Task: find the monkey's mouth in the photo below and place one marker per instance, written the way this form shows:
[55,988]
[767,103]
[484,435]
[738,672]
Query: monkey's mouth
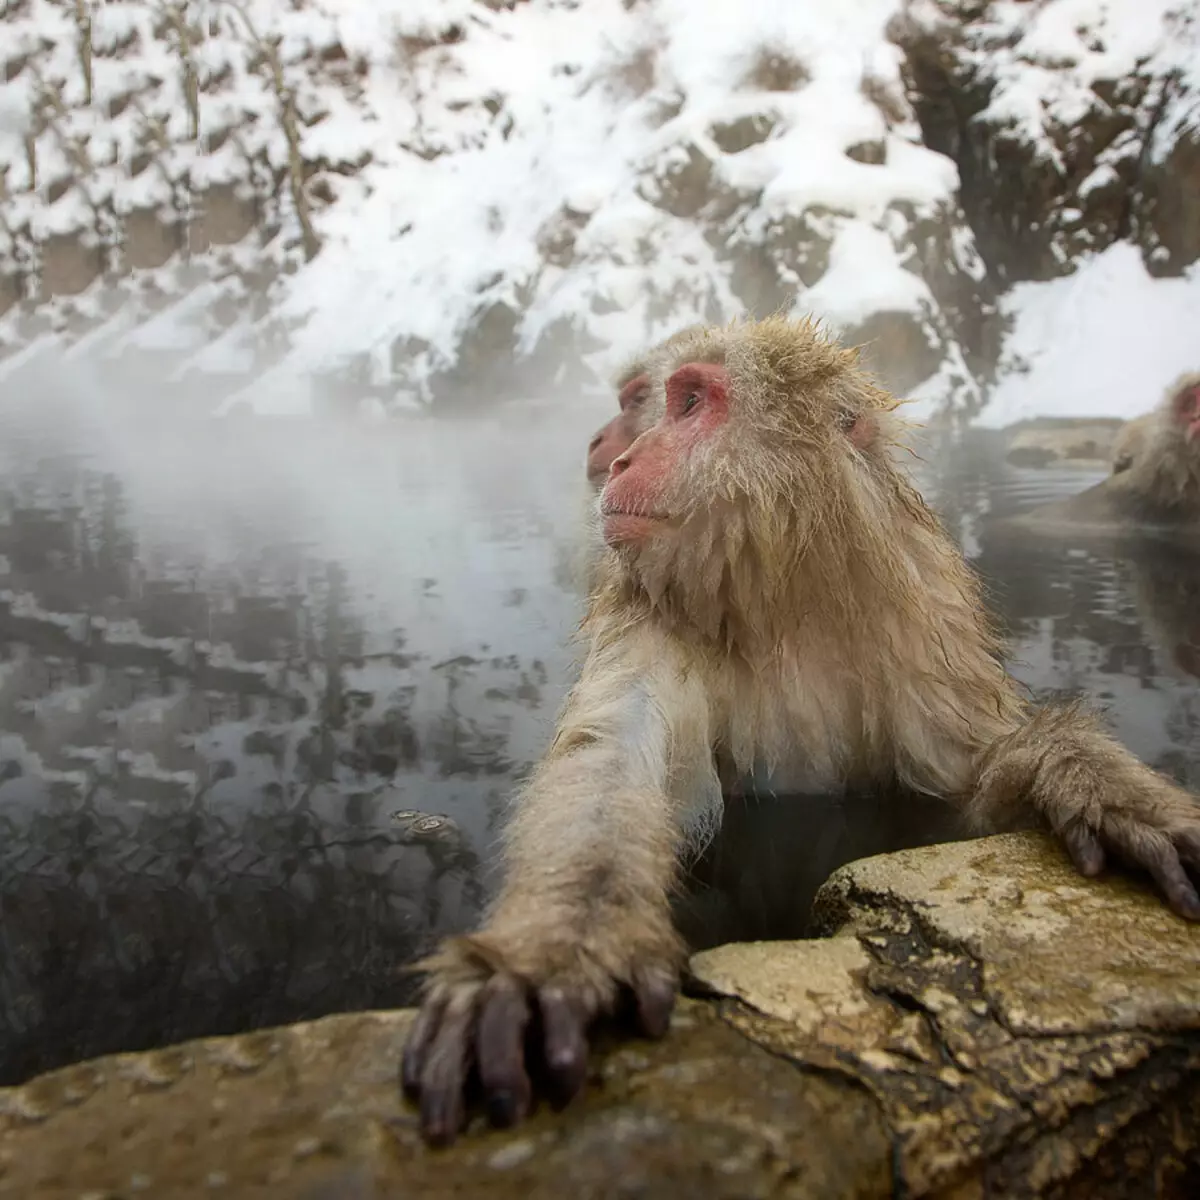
[611,510]
[625,526]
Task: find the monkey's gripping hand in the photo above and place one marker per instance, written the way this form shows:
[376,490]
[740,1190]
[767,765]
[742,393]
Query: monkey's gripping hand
[1099,800]
[1160,834]
[591,856]
[504,1007]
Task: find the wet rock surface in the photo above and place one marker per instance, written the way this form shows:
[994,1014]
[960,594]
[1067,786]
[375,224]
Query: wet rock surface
[982,1022]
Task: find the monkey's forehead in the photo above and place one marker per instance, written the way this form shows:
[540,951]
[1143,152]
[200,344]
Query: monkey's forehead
[781,358]
[1184,383]
[643,362]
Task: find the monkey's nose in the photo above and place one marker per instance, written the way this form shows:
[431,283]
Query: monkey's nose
[595,442]
[618,465]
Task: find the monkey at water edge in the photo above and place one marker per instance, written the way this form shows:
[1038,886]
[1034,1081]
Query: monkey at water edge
[774,591]
[1159,452]
[1154,483]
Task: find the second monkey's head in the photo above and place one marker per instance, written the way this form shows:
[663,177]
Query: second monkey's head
[636,415]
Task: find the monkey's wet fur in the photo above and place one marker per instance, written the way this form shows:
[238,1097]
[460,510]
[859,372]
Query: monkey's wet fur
[774,594]
[1154,485]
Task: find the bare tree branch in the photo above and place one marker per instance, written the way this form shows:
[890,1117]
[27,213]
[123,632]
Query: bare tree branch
[289,120]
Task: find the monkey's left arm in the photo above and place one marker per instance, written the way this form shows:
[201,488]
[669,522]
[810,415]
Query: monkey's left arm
[1096,796]
[583,915]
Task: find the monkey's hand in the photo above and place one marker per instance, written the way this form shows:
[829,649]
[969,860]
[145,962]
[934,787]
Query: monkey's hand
[512,992]
[1157,829]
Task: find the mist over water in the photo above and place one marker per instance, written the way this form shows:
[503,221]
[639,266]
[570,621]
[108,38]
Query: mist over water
[232,650]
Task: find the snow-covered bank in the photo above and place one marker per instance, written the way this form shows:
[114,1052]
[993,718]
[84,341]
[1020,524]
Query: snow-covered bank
[549,183]
[1103,342]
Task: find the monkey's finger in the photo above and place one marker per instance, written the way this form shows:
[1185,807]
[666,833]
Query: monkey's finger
[1083,845]
[1187,843]
[500,1050]
[564,1022]
[444,1076]
[1154,851]
[412,1061]
[655,992]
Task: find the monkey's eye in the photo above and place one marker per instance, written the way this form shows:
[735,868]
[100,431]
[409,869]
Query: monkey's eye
[690,402]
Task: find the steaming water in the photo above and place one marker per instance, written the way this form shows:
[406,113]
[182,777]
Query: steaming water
[230,651]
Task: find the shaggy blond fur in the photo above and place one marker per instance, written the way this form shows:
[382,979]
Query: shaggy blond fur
[804,612]
[1152,462]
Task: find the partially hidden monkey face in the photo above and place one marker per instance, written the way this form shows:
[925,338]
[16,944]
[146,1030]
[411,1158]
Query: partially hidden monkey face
[613,439]
[647,494]
[1187,412]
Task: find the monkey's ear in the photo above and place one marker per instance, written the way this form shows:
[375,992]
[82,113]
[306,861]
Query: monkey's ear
[860,428]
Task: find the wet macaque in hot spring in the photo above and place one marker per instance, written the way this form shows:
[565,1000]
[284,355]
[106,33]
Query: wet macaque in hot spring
[775,592]
[1159,453]
[1155,479]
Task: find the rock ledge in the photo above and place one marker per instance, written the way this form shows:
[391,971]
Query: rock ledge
[982,1021]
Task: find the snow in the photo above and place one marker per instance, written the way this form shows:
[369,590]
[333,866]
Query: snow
[483,130]
[1103,342]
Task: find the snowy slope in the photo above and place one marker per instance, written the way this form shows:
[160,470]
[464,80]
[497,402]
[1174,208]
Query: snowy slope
[571,177]
[1107,339]
[491,134]
[1102,342]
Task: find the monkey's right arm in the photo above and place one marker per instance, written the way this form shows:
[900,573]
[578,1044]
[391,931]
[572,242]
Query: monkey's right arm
[590,856]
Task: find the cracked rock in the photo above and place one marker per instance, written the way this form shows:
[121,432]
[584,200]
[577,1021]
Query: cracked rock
[981,1022]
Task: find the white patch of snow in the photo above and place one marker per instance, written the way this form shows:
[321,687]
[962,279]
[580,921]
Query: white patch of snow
[1103,342]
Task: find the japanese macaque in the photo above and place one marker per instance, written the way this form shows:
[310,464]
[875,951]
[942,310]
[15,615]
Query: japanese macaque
[774,592]
[1154,484]
[1130,442]
[633,392]
[611,441]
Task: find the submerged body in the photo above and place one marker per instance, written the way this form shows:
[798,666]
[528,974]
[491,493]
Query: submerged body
[775,596]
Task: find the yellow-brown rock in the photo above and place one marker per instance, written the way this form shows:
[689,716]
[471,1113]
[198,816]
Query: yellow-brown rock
[982,1022]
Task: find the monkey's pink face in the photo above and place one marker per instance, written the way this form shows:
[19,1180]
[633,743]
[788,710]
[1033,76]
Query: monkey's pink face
[1187,412]
[613,439]
[639,503]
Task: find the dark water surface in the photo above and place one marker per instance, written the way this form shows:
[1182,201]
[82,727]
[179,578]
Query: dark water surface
[231,653]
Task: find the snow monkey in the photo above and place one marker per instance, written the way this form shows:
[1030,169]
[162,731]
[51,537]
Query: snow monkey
[1154,483]
[773,590]
[636,415]
[633,391]
[1159,452]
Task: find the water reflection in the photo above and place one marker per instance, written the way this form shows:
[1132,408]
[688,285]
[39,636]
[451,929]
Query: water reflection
[264,690]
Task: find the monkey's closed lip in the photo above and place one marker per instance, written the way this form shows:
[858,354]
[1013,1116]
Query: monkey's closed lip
[608,510]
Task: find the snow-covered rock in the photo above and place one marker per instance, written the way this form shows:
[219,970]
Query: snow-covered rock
[449,201]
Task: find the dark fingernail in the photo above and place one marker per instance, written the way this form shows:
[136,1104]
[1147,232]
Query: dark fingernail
[441,1118]
[410,1072]
[504,1108]
[565,1047]
[501,1052]
[656,1002]
[1186,904]
[1084,850]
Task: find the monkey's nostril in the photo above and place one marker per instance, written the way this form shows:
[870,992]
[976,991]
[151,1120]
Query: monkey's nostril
[595,442]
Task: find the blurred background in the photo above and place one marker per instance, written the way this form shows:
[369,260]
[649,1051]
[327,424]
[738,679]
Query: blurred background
[308,312]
